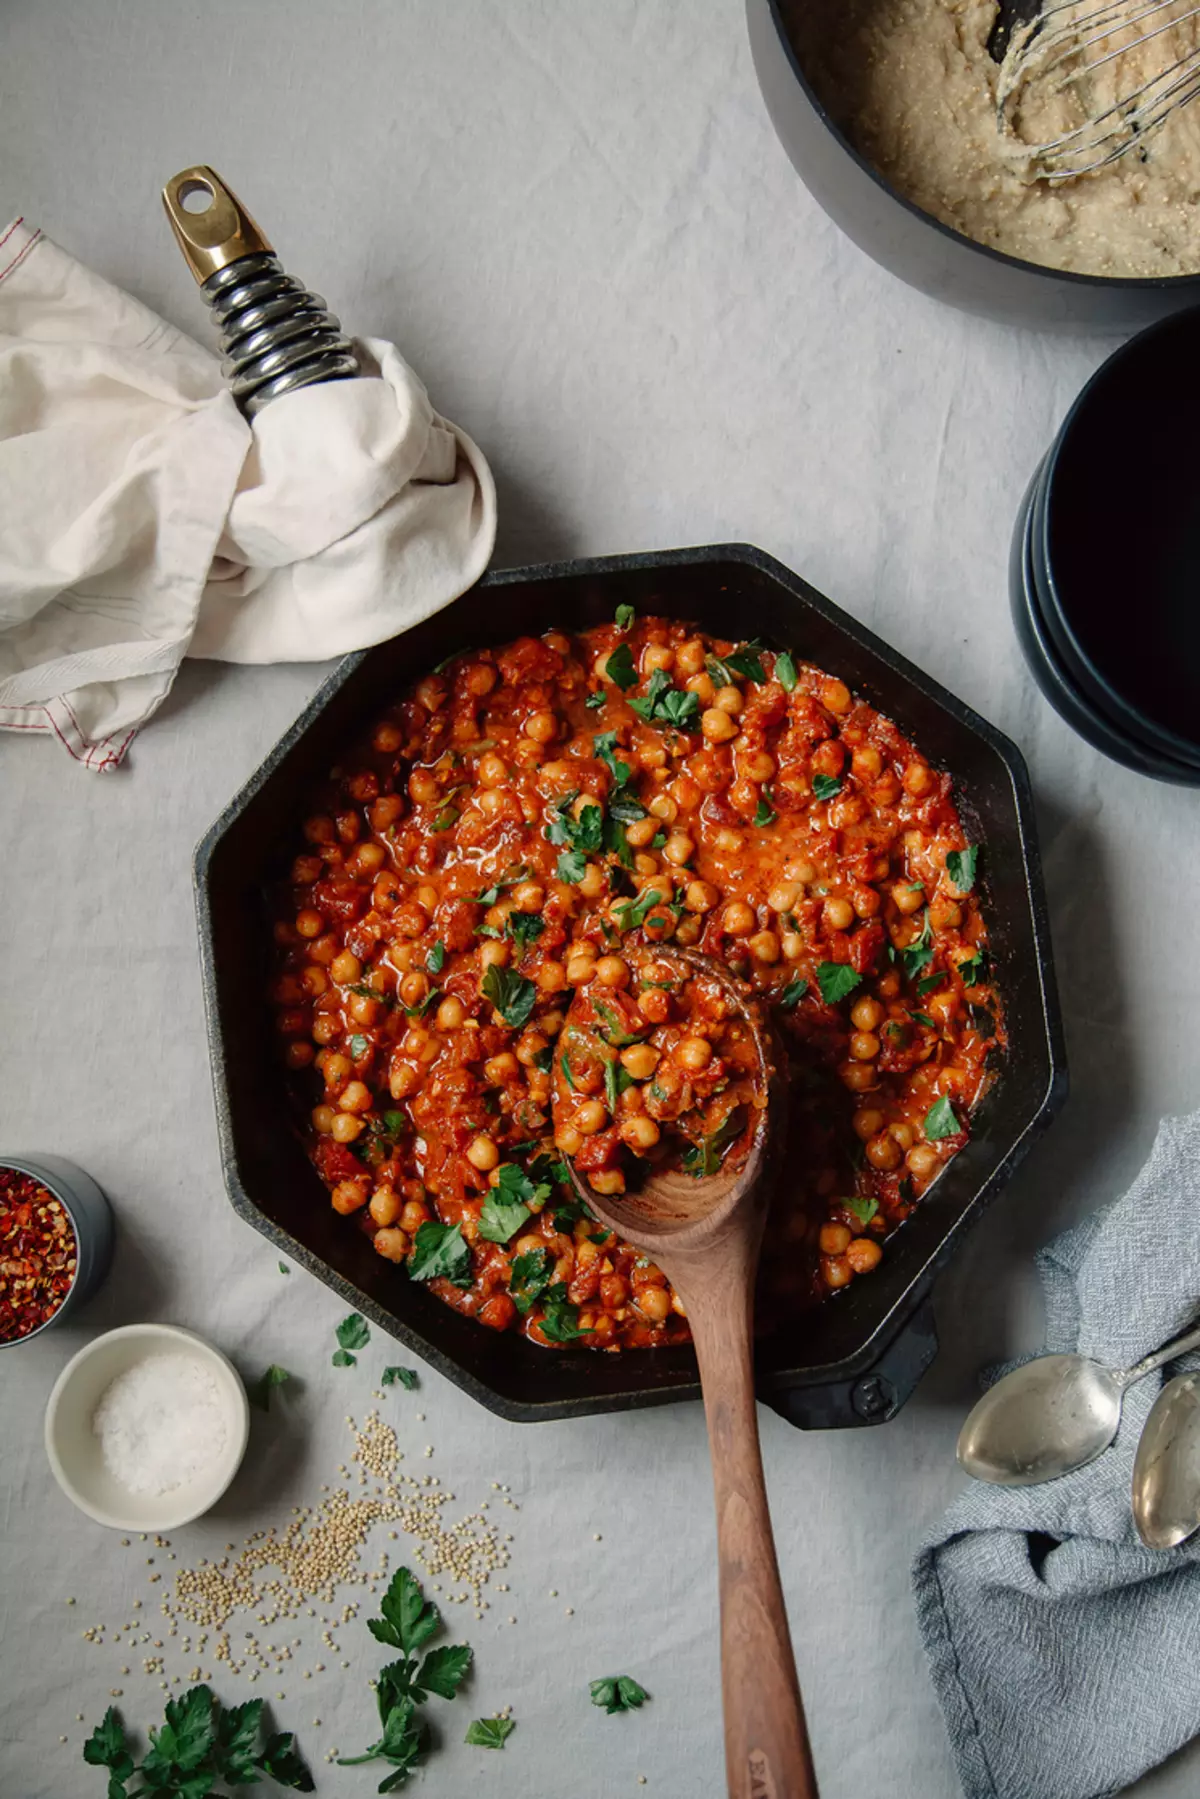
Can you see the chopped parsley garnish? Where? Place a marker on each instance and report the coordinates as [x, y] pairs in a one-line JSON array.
[[441, 1250], [568, 1077], [665, 703], [940, 1121], [862, 1207], [765, 813], [525, 928], [785, 671], [704, 1158], [493, 893], [560, 1319], [919, 953], [625, 616], [426, 1005], [506, 1207], [619, 668], [570, 867], [511, 994], [826, 786], [836, 980], [973, 972], [359, 1046], [435, 961], [595, 700], [614, 1031], [446, 818], [617, 1693], [616, 1080], [792, 994], [928, 982], [284, 1269], [529, 1279], [493, 1733], [923, 1018], [961, 866], [407, 1377], [259, 1391], [604, 746], [632, 913], [352, 1333], [746, 662], [365, 992], [543, 1061]]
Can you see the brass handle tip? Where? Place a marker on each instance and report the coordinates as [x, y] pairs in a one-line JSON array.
[[211, 226]]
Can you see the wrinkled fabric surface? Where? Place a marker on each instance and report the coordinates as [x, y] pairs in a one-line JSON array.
[[1066, 1654], [143, 519]]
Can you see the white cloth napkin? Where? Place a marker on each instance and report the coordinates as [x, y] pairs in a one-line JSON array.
[[142, 519]]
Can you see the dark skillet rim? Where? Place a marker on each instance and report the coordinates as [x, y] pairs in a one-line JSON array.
[[1123, 283], [1054, 677], [1100, 685]]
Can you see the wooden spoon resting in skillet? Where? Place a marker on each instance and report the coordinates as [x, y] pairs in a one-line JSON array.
[[706, 1235]]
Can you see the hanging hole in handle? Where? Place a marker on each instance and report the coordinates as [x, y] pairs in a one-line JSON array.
[[196, 197]]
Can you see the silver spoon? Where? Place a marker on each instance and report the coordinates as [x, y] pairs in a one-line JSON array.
[[1052, 1415], [1166, 1469]]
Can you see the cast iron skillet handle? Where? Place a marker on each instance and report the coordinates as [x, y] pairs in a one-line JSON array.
[[276, 336]]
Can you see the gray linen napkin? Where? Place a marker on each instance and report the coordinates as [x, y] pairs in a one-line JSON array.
[[1065, 1655]]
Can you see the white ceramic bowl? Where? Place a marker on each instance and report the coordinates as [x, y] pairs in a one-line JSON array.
[[74, 1448]]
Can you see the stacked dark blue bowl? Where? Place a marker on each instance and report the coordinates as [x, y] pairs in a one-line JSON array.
[[1105, 566]]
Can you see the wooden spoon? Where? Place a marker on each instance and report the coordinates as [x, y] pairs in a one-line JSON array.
[[706, 1236]]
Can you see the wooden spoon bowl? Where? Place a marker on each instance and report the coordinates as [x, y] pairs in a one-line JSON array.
[[706, 1235]]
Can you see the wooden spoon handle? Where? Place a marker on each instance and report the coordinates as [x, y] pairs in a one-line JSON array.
[[767, 1755]]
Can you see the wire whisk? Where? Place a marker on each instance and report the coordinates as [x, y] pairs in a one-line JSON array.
[[1085, 53]]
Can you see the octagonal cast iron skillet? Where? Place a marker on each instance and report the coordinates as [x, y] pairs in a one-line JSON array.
[[853, 1360], [913, 244]]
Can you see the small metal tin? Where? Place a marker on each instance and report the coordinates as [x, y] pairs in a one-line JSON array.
[[91, 1220]]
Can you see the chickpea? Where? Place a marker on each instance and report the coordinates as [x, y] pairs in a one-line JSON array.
[[902, 1133], [403, 1079], [348, 1196], [690, 657], [542, 727], [883, 1152], [863, 1255], [694, 1053], [758, 766], [654, 1005], [581, 967], [639, 1132], [764, 946], [921, 1161], [356, 1097], [424, 788], [738, 919], [385, 1205], [497, 1070], [367, 859], [866, 1014], [612, 971], [864, 1046], [362, 1009], [320, 829], [491, 771], [529, 896], [639, 1060], [835, 696], [679, 849], [867, 1123], [867, 763], [860, 1077], [345, 1127], [551, 977], [415, 1214], [641, 832], [494, 955], [686, 793], [945, 914], [322, 1120], [298, 1054], [888, 985], [654, 1303], [834, 1239], [385, 894], [418, 1044], [614, 1291], [386, 811], [792, 945], [391, 1243], [838, 914], [700, 896], [917, 779], [309, 923], [717, 726], [657, 655], [483, 1154], [594, 881], [590, 1117], [451, 1014], [600, 666], [529, 1047], [551, 1023], [847, 811], [410, 920], [414, 988], [325, 1028], [702, 687], [568, 1139], [479, 679], [730, 699], [306, 870], [836, 1271], [664, 808], [432, 693], [608, 1180]]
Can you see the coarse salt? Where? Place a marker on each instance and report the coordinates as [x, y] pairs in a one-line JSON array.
[[160, 1424]]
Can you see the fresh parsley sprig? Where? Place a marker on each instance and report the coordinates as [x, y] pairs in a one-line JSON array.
[[198, 1745], [352, 1333], [511, 994], [617, 1693], [407, 1623]]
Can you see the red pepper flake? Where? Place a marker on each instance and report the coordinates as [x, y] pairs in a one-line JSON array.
[[37, 1254]]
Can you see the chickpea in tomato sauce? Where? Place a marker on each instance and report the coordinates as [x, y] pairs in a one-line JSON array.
[[526, 824]]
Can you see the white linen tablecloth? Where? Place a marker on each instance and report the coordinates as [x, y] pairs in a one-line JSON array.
[[579, 223]]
